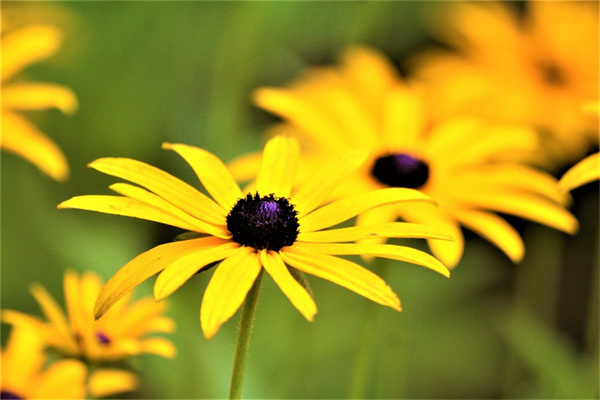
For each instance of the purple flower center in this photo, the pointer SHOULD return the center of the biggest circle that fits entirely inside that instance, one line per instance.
(5, 394)
(401, 170)
(102, 338)
(266, 222)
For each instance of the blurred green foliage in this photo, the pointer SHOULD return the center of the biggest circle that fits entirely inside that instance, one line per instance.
(148, 72)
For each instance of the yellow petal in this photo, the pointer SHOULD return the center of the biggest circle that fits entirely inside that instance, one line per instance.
(298, 111)
(585, 171)
(159, 346)
(524, 205)
(212, 173)
(165, 185)
(494, 229)
(22, 357)
(245, 168)
(72, 296)
(403, 118)
(51, 310)
(25, 96)
(394, 252)
(448, 252)
(344, 273)
(106, 382)
(64, 379)
(144, 266)
(182, 269)
(346, 208)
(278, 166)
(22, 138)
(324, 180)
(26, 46)
(294, 291)
(513, 177)
(227, 289)
(385, 230)
(194, 224)
(129, 207)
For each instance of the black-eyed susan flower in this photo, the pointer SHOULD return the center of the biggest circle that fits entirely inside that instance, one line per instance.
(21, 48)
(27, 375)
(460, 163)
(588, 169)
(123, 331)
(534, 68)
(272, 227)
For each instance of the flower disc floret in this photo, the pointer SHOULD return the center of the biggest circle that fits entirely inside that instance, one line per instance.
(263, 222)
(401, 170)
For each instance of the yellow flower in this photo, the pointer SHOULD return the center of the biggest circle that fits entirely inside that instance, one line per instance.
(21, 48)
(534, 69)
(119, 333)
(267, 227)
(588, 169)
(25, 376)
(457, 162)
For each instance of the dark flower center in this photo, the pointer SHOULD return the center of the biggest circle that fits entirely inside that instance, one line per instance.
(401, 170)
(5, 394)
(266, 222)
(551, 73)
(102, 338)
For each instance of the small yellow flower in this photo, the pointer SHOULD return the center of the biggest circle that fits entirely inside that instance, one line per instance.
(534, 69)
(363, 104)
(25, 376)
(270, 227)
(21, 48)
(119, 333)
(588, 169)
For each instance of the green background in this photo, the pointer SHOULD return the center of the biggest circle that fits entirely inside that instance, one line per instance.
(149, 72)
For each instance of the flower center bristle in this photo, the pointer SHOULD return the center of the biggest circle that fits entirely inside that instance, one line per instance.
(5, 394)
(401, 170)
(266, 222)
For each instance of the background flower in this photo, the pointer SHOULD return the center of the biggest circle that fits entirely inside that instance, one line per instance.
(21, 48)
(534, 67)
(121, 333)
(184, 72)
(457, 161)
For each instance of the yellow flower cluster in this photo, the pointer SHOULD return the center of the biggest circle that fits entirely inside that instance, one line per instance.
(471, 135)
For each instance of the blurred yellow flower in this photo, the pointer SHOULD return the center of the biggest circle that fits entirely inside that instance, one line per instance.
(588, 169)
(534, 69)
(119, 333)
(267, 227)
(21, 48)
(457, 162)
(25, 375)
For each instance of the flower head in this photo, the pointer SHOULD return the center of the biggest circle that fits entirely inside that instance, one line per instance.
(534, 69)
(25, 374)
(461, 163)
(271, 226)
(119, 333)
(21, 48)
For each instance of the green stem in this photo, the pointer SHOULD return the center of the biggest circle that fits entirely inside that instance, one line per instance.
(243, 340)
(363, 365)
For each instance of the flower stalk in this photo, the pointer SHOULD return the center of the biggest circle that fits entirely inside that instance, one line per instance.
(243, 340)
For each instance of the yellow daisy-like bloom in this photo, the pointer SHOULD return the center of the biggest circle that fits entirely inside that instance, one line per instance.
(363, 104)
(120, 333)
(586, 170)
(25, 376)
(535, 69)
(268, 227)
(21, 48)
